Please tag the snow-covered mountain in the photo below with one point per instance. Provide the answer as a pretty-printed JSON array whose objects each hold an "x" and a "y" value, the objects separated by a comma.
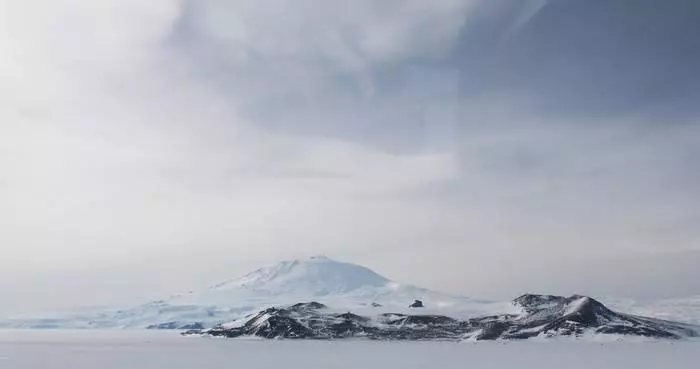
[
  {"x": 542, "y": 316},
  {"x": 318, "y": 275},
  {"x": 320, "y": 279},
  {"x": 344, "y": 285}
]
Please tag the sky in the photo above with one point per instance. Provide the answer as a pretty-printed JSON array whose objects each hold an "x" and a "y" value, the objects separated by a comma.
[{"x": 473, "y": 146}]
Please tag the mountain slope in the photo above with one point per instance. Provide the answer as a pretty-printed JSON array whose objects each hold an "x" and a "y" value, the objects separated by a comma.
[
  {"x": 318, "y": 278},
  {"x": 576, "y": 315},
  {"x": 540, "y": 315},
  {"x": 351, "y": 288},
  {"x": 318, "y": 275}
]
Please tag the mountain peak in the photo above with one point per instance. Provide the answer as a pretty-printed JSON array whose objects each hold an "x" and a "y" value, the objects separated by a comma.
[{"x": 314, "y": 276}]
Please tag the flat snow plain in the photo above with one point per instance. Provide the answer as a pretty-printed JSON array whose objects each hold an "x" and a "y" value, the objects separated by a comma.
[{"x": 89, "y": 349}]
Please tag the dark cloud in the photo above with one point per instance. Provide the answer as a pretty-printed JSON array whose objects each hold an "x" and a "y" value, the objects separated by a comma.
[{"x": 596, "y": 58}]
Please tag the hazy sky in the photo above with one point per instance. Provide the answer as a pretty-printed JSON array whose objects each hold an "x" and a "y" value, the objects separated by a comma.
[{"x": 149, "y": 147}]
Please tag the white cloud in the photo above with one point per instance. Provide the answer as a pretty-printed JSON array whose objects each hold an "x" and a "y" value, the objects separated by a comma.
[
  {"x": 112, "y": 148},
  {"x": 350, "y": 34},
  {"x": 123, "y": 146}
]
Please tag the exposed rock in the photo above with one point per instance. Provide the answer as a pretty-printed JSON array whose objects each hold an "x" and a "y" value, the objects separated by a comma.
[
  {"x": 541, "y": 315},
  {"x": 575, "y": 315},
  {"x": 177, "y": 325},
  {"x": 308, "y": 305},
  {"x": 416, "y": 304}
]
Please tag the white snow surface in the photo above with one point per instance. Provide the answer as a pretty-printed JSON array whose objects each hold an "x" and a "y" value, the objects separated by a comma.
[
  {"x": 684, "y": 310},
  {"x": 317, "y": 276},
  {"x": 337, "y": 284},
  {"x": 341, "y": 286},
  {"x": 129, "y": 349}
]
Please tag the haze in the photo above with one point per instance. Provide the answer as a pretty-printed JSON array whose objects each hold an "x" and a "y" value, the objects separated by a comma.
[{"x": 478, "y": 147}]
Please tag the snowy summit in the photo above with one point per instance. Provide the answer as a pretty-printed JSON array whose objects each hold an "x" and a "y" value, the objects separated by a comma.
[
  {"x": 316, "y": 276},
  {"x": 319, "y": 297},
  {"x": 319, "y": 278}
]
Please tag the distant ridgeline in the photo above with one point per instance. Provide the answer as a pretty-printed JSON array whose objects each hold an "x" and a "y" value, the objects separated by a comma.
[{"x": 354, "y": 301}]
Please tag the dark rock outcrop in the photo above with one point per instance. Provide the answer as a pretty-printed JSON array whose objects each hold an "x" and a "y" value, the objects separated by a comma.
[
  {"x": 313, "y": 305},
  {"x": 416, "y": 304},
  {"x": 541, "y": 315},
  {"x": 177, "y": 325},
  {"x": 565, "y": 316}
]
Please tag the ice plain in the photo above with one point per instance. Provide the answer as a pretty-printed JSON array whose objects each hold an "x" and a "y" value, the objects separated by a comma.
[{"x": 141, "y": 349}]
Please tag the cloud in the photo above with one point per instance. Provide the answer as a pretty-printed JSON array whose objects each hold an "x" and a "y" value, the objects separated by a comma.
[
  {"x": 196, "y": 139},
  {"x": 347, "y": 35},
  {"x": 112, "y": 147}
]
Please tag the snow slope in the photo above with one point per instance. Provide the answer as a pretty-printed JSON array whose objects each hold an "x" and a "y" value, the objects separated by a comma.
[
  {"x": 324, "y": 280},
  {"x": 686, "y": 309},
  {"x": 344, "y": 285}
]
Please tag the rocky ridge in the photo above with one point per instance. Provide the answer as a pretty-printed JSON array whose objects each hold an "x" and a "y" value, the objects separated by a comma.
[{"x": 540, "y": 315}]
